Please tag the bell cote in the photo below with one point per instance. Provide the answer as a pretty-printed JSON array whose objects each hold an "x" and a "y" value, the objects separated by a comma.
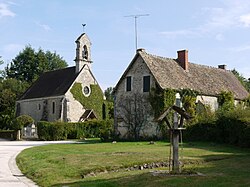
[{"x": 83, "y": 53}]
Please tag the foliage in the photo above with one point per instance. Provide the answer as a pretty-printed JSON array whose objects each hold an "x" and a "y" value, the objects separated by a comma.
[
  {"x": 23, "y": 121},
  {"x": 113, "y": 165},
  {"x": 93, "y": 101},
  {"x": 245, "y": 82},
  {"x": 10, "y": 90},
  {"x": 246, "y": 101},
  {"x": 109, "y": 94},
  {"x": 108, "y": 110},
  {"x": 231, "y": 127},
  {"x": 226, "y": 100},
  {"x": 89, "y": 129},
  {"x": 1, "y": 71},
  {"x": 29, "y": 64},
  {"x": 160, "y": 100}
]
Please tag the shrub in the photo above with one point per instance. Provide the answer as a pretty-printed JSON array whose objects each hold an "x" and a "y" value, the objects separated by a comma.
[
  {"x": 22, "y": 121},
  {"x": 231, "y": 127},
  {"x": 90, "y": 129}
]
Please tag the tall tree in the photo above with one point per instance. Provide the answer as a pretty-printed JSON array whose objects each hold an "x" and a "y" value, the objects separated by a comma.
[
  {"x": 28, "y": 65},
  {"x": 109, "y": 94},
  {"x": 10, "y": 90},
  {"x": 1, "y": 71},
  {"x": 245, "y": 82}
]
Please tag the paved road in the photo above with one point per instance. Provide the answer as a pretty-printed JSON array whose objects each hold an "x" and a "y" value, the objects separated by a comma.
[{"x": 10, "y": 175}]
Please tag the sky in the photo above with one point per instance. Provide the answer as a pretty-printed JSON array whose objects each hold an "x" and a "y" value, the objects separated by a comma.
[{"x": 214, "y": 32}]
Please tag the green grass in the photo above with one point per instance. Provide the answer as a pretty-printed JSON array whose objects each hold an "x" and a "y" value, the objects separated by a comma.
[{"x": 66, "y": 164}]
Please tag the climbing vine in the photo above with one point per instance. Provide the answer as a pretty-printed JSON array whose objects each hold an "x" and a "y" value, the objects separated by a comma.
[
  {"x": 161, "y": 100},
  {"x": 93, "y": 101},
  {"x": 226, "y": 100},
  {"x": 188, "y": 99}
]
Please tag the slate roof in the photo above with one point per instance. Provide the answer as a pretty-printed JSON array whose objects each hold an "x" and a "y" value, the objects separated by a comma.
[
  {"x": 206, "y": 80},
  {"x": 52, "y": 83}
]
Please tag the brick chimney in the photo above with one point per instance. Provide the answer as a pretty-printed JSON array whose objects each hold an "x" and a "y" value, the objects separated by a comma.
[
  {"x": 183, "y": 59},
  {"x": 223, "y": 66}
]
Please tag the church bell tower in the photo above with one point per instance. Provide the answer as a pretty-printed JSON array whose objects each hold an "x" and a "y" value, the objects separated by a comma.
[{"x": 83, "y": 54}]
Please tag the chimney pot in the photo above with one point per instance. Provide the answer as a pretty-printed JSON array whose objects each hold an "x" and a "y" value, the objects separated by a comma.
[
  {"x": 183, "y": 58},
  {"x": 223, "y": 66},
  {"x": 140, "y": 50}
]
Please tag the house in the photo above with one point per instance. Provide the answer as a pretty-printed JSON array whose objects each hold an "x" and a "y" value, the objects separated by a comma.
[
  {"x": 71, "y": 94},
  {"x": 133, "y": 111}
]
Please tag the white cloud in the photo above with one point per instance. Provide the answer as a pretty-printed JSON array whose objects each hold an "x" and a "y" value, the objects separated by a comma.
[
  {"x": 44, "y": 26},
  {"x": 217, "y": 20},
  {"x": 245, "y": 19},
  {"x": 5, "y": 11},
  {"x": 173, "y": 34}
]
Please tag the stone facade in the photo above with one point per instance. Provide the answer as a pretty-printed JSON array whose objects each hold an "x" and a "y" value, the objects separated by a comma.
[
  {"x": 127, "y": 103},
  {"x": 62, "y": 106}
]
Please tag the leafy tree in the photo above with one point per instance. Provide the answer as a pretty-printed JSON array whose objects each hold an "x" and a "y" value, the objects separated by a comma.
[
  {"x": 28, "y": 65},
  {"x": 109, "y": 94},
  {"x": 245, "y": 82},
  {"x": 10, "y": 90},
  {"x": 1, "y": 71}
]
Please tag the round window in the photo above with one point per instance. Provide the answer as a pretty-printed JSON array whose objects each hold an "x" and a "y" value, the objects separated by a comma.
[{"x": 86, "y": 90}]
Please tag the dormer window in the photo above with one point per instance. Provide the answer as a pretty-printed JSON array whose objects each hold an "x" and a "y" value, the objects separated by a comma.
[{"x": 85, "y": 53}]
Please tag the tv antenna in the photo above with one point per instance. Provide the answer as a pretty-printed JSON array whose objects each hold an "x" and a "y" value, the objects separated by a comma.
[
  {"x": 136, "y": 35},
  {"x": 83, "y": 26}
]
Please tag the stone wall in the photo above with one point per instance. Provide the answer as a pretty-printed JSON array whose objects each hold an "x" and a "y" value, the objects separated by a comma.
[
  {"x": 127, "y": 100},
  {"x": 41, "y": 108},
  {"x": 74, "y": 108}
]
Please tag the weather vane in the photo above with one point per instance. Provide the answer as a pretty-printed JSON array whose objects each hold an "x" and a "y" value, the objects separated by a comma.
[
  {"x": 83, "y": 26},
  {"x": 136, "y": 35}
]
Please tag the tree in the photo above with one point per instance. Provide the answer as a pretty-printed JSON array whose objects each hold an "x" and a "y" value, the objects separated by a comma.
[
  {"x": 1, "y": 71},
  {"x": 10, "y": 90},
  {"x": 245, "y": 82},
  {"x": 109, "y": 94},
  {"x": 28, "y": 65}
]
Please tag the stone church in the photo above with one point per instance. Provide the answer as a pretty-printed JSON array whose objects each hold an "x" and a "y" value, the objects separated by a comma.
[{"x": 71, "y": 94}]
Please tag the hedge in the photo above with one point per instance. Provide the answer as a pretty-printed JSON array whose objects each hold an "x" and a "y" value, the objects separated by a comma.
[
  {"x": 61, "y": 130},
  {"x": 231, "y": 127}
]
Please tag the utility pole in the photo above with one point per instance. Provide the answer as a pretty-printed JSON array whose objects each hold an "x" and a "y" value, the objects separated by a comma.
[{"x": 136, "y": 35}]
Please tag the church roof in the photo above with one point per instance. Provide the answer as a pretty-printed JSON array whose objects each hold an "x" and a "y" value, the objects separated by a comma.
[
  {"x": 204, "y": 79},
  {"x": 52, "y": 83}
]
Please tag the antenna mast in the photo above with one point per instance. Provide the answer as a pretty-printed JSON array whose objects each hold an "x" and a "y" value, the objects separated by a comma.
[{"x": 136, "y": 35}]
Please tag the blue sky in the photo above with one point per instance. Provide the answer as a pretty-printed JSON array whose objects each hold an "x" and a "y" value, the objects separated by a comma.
[{"x": 215, "y": 32}]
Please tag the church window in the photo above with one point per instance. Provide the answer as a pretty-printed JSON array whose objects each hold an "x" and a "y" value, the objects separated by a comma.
[
  {"x": 128, "y": 83},
  {"x": 39, "y": 106},
  {"x": 86, "y": 90},
  {"x": 146, "y": 83},
  {"x": 53, "y": 107}
]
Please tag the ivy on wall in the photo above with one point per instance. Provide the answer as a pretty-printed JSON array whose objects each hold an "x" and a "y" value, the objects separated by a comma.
[
  {"x": 161, "y": 100},
  {"x": 93, "y": 101},
  {"x": 188, "y": 99},
  {"x": 226, "y": 100}
]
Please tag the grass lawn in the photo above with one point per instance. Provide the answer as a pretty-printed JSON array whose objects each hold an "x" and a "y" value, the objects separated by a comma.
[{"x": 65, "y": 165}]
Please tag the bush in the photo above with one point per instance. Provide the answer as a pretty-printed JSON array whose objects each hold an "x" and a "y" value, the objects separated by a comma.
[
  {"x": 230, "y": 127},
  {"x": 22, "y": 121},
  {"x": 61, "y": 131}
]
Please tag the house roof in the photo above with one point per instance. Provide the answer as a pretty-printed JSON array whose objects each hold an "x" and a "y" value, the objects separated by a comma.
[
  {"x": 52, "y": 83},
  {"x": 204, "y": 79}
]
